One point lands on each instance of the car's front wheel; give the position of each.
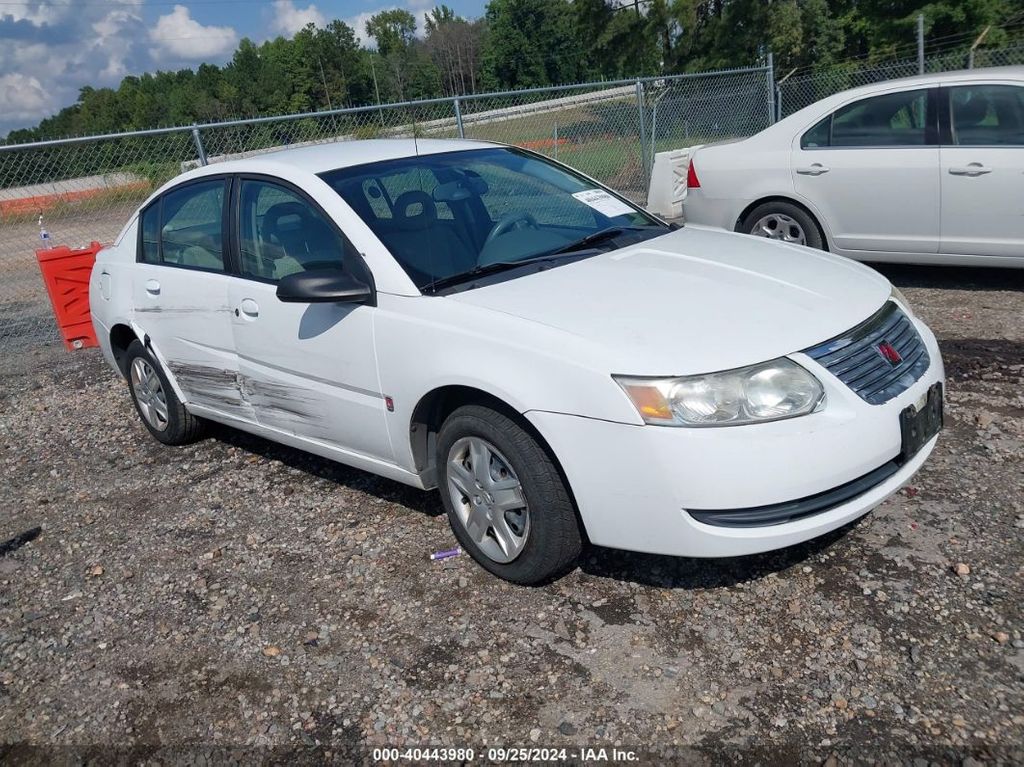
(161, 411)
(778, 220)
(506, 500)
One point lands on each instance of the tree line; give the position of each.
(519, 44)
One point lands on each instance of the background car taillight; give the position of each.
(692, 182)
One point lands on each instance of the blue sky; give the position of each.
(49, 49)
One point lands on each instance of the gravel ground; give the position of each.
(238, 593)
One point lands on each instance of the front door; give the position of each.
(306, 369)
(181, 294)
(871, 170)
(983, 171)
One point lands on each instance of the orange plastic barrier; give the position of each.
(66, 274)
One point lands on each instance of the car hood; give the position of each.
(692, 301)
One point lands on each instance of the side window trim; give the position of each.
(351, 257)
(159, 203)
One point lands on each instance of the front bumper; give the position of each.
(634, 484)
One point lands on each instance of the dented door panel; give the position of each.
(310, 369)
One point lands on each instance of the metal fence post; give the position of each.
(771, 88)
(643, 131)
(199, 146)
(458, 118)
(920, 43)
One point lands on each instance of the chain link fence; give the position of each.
(801, 90)
(70, 192)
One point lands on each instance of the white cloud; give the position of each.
(288, 19)
(23, 97)
(358, 24)
(179, 36)
(418, 8)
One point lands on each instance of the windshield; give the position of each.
(463, 213)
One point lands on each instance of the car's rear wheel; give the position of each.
(161, 411)
(506, 500)
(783, 221)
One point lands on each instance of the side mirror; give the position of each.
(323, 286)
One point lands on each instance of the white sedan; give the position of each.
(925, 170)
(559, 363)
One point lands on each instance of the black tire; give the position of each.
(813, 236)
(181, 427)
(553, 542)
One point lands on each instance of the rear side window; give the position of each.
(185, 227)
(987, 115)
(149, 244)
(892, 119)
(818, 136)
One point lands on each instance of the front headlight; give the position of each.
(769, 391)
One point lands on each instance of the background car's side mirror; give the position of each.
(320, 286)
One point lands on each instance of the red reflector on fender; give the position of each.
(692, 182)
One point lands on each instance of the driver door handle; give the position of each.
(816, 169)
(249, 309)
(972, 169)
(153, 287)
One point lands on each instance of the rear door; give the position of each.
(871, 170)
(306, 369)
(181, 293)
(982, 160)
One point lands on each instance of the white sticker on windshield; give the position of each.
(602, 202)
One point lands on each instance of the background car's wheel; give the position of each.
(783, 221)
(506, 500)
(159, 408)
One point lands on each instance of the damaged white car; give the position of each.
(562, 365)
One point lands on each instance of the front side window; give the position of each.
(446, 215)
(892, 119)
(191, 226)
(281, 233)
(987, 115)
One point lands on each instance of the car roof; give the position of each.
(827, 104)
(987, 73)
(319, 158)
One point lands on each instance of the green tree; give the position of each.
(531, 43)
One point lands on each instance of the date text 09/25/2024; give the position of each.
(502, 754)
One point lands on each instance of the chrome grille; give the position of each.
(855, 358)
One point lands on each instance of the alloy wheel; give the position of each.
(778, 226)
(149, 394)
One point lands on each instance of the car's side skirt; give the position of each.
(347, 457)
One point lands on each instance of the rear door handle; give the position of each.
(249, 308)
(153, 287)
(815, 169)
(972, 169)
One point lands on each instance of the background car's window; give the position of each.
(281, 233)
(191, 226)
(892, 119)
(445, 214)
(151, 234)
(988, 115)
(818, 136)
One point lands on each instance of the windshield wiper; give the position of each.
(570, 250)
(600, 236)
(486, 269)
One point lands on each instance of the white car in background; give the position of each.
(925, 170)
(559, 363)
